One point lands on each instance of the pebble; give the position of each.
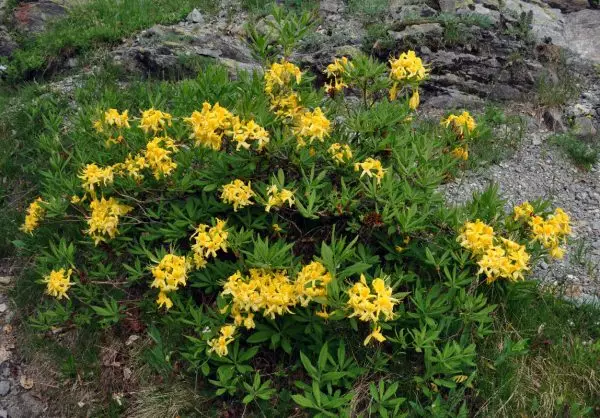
(5, 279)
(3, 307)
(4, 388)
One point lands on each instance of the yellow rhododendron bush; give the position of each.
(266, 226)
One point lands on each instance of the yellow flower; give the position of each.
(154, 120)
(276, 228)
(157, 156)
(323, 313)
(104, 219)
(209, 240)
(277, 198)
(132, 166)
(372, 168)
(551, 232)
(508, 260)
(336, 71)
(523, 211)
(34, 215)
(58, 283)
(369, 306)
(287, 106)
(376, 335)
(312, 125)
(238, 194)
(92, 175)
(209, 125)
(341, 153)
(476, 236)
(248, 131)
(113, 118)
(414, 101)
(164, 300)
(219, 344)
(169, 274)
(460, 123)
(407, 67)
(97, 125)
(280, 76)
(312, 282)
(461, 153)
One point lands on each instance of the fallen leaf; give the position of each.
(26, 382)
(132, 338)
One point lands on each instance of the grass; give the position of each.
(558, 86)
(91, 24)
(583, 153)
(558, 373)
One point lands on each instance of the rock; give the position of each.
(416, 32)
(3, 307)
(447, 6)
(490, 4)
(568, 6)
(582, 32)
(7, 43)
(195, 17)
(3, 413)
(553, 120)
(583, 127)
(5, 279)
(169, 50)
(34, 17)
(453, 99)
(414, 11)
(332, 6)
(493, 15)
(4, 388)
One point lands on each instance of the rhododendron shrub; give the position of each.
(264, 223)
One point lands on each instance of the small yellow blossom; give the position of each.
(169, 274)
(248, 131)
(209, 125)
(154, 121)
(414, 100)
(219, 344)
(132, 166)
(276, 228)
(476, 236)
(157, 156)
(104, 219)
(461, 153)
(93, 176)
(209, 240)
(238, 194)
(372, 168)
(312, 125)
(460, 123)
(407, 67)
(552, 231)
(523, 211)
(34, 215)
(509, 260)
(370, 306)
(341, 153)
(280, 76)
(113, 118)
(375, 335)
(336, 72)
(97, 125)
(287, 106)
(58, 283)
(312, 282)
(277, 198)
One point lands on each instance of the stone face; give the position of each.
(582, 34)
(568, 6)
(34, 17)
(583, 127)
(447, 6)
(553, 120)
(415, 32)
(195, 17)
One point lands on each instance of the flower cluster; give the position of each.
(551, 232)
(341, 153)
(497, 257)
(310, 126)
(372, 168)
(155, 121)
(371, 306)
(34, 215)
(209, 240)
(209, 125)
(407, 69)
(93, 175)
(157, 156)
(104, 218)
(58, 283)
(169, 274)
(132, 166)
(219, 344)
(461, 124)
(238, 194)
(280, 76)
(242, 132)
(112, 118)
(273, 292)
(336, 72)
(277, 198)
